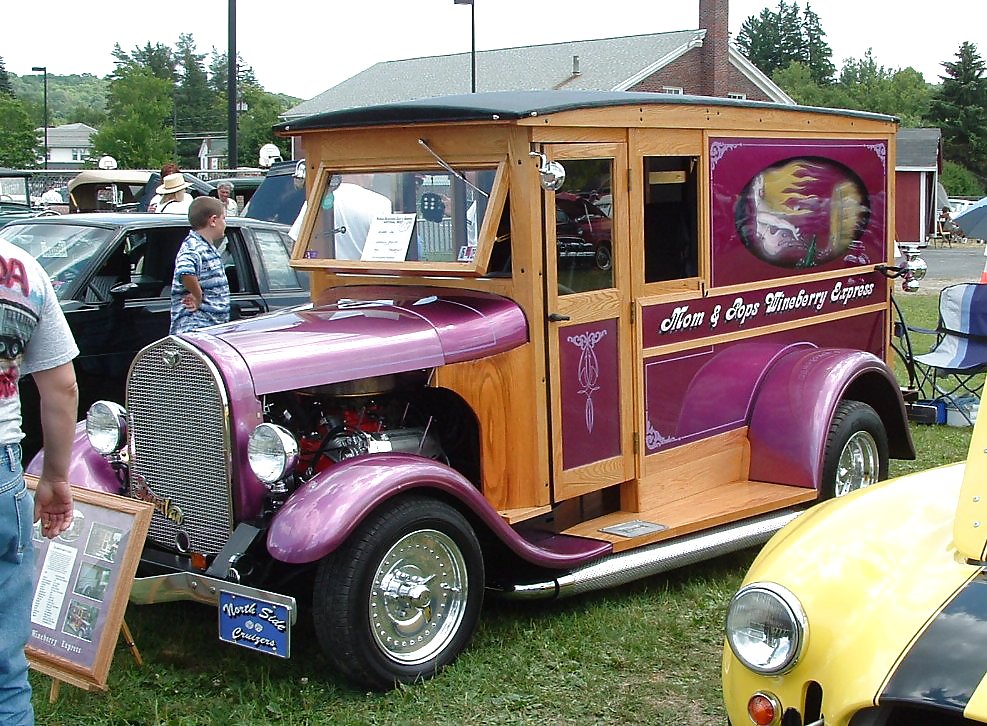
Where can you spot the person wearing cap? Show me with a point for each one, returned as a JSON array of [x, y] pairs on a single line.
[[224, 190], [174, 198]]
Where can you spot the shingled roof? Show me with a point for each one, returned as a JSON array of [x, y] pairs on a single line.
[[607, 64]]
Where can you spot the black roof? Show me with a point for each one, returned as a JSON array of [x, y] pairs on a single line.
[[514, 105]]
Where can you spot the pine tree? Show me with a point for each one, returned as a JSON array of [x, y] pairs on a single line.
[[818, 53], [775, 39], [5, 87], [195, 109], [960, 109]]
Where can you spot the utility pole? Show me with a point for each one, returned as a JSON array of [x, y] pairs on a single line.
[[231, 79]]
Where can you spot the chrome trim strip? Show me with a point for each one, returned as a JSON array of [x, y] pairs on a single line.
[[624, 567], [188, 586]]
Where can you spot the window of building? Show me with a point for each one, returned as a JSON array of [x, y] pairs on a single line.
[[674, 90], [78, 154], [737, 96]]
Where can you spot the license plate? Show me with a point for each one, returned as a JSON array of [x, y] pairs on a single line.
[[254, 623]]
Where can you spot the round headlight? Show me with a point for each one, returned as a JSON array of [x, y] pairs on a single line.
[[272, 452], [106, 427], [766, 628]]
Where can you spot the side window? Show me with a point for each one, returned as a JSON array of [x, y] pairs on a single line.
[[671, 215], [583, 226], [275, 255]]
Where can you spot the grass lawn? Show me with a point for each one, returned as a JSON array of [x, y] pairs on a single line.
[[644, 653]]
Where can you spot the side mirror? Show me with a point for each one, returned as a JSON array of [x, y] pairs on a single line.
[[552, 173]]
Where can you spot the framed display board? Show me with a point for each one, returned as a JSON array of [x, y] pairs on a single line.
[[82, 582]]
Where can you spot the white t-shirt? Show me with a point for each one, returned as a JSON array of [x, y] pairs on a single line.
[[355, 208], [175, 206], [34, 335]]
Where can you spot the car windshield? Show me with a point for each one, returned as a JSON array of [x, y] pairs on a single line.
[[14, 189], [420, 216], [64, 250]]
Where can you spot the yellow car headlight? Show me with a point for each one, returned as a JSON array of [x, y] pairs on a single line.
[[766, 628]]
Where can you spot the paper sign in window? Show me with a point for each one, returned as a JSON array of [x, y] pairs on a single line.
[[388, 238]]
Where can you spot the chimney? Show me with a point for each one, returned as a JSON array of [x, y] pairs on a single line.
[[714, 18]]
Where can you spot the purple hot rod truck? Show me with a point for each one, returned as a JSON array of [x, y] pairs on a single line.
[[462, 409]]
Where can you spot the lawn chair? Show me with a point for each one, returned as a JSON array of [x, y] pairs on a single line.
[[948, 371]]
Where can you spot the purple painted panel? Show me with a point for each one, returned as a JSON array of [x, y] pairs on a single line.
[[708, 390], [325, 511], [685, 320], [781, 206], [356, 332], [590, 391]]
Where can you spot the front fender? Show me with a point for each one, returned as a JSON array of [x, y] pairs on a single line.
[[324, 512], [87, 469], [794, 406]]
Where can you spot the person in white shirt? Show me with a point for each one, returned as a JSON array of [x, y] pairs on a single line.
[[174, 198], [224, 190]]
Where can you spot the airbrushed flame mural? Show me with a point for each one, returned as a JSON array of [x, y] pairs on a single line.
[[784, 206]]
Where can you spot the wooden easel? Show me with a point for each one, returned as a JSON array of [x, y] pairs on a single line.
[[128, 640]]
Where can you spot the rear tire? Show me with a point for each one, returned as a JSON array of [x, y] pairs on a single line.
[[856, 450], [400, 600]]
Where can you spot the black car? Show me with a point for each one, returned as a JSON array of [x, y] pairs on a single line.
[[112, 274], [279, 197]]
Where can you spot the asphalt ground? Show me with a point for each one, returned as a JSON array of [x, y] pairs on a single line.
[[950, 265]]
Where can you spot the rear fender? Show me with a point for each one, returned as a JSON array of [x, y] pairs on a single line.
[[87, 469], [323, 513], [794, 406]]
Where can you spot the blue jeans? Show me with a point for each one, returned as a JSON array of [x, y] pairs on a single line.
[[16, 588]]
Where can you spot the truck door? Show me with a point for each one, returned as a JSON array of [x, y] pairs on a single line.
[[590, 341]]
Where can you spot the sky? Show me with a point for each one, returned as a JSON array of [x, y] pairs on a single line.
[[308, 46]]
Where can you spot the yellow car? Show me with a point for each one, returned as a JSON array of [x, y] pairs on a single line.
[[869, 610]]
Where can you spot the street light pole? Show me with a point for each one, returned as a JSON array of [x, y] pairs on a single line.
[[44, 69], [231, 79], [472, 41]]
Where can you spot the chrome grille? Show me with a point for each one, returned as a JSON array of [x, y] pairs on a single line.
[[179, 423]]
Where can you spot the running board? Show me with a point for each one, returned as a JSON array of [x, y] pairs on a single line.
[[623, 567]]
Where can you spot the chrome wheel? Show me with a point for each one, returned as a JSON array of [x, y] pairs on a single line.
[[400, 600], [418, 597], [856, 450], [859, 464]]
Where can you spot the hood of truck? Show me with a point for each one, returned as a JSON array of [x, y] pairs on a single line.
[[356, 332]]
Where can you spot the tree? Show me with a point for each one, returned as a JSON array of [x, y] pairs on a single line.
[[18, 139], [960, 181], [774, 40], [959, 108], [158, 59], [255, 127], [5, 87], [818, 53], [195, 107], [139, 111]]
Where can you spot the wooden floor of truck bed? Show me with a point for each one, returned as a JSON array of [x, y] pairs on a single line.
[[728, 502]]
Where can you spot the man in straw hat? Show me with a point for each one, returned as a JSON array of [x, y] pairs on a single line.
[[174, 198]]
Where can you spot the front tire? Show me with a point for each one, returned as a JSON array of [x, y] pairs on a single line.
[[603, 257], [856, 450], [401, 599]]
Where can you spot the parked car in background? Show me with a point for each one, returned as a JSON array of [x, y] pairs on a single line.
[[583, 230], [199, 188], [15, 196], [279, 197], [112, 274], [869, 610], [106, 190]]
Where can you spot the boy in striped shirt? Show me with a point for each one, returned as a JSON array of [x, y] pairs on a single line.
[[200, 292]]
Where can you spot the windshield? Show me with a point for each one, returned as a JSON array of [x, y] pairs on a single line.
[[413, 216], [277, 199], [64, 250], [14, 189]]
